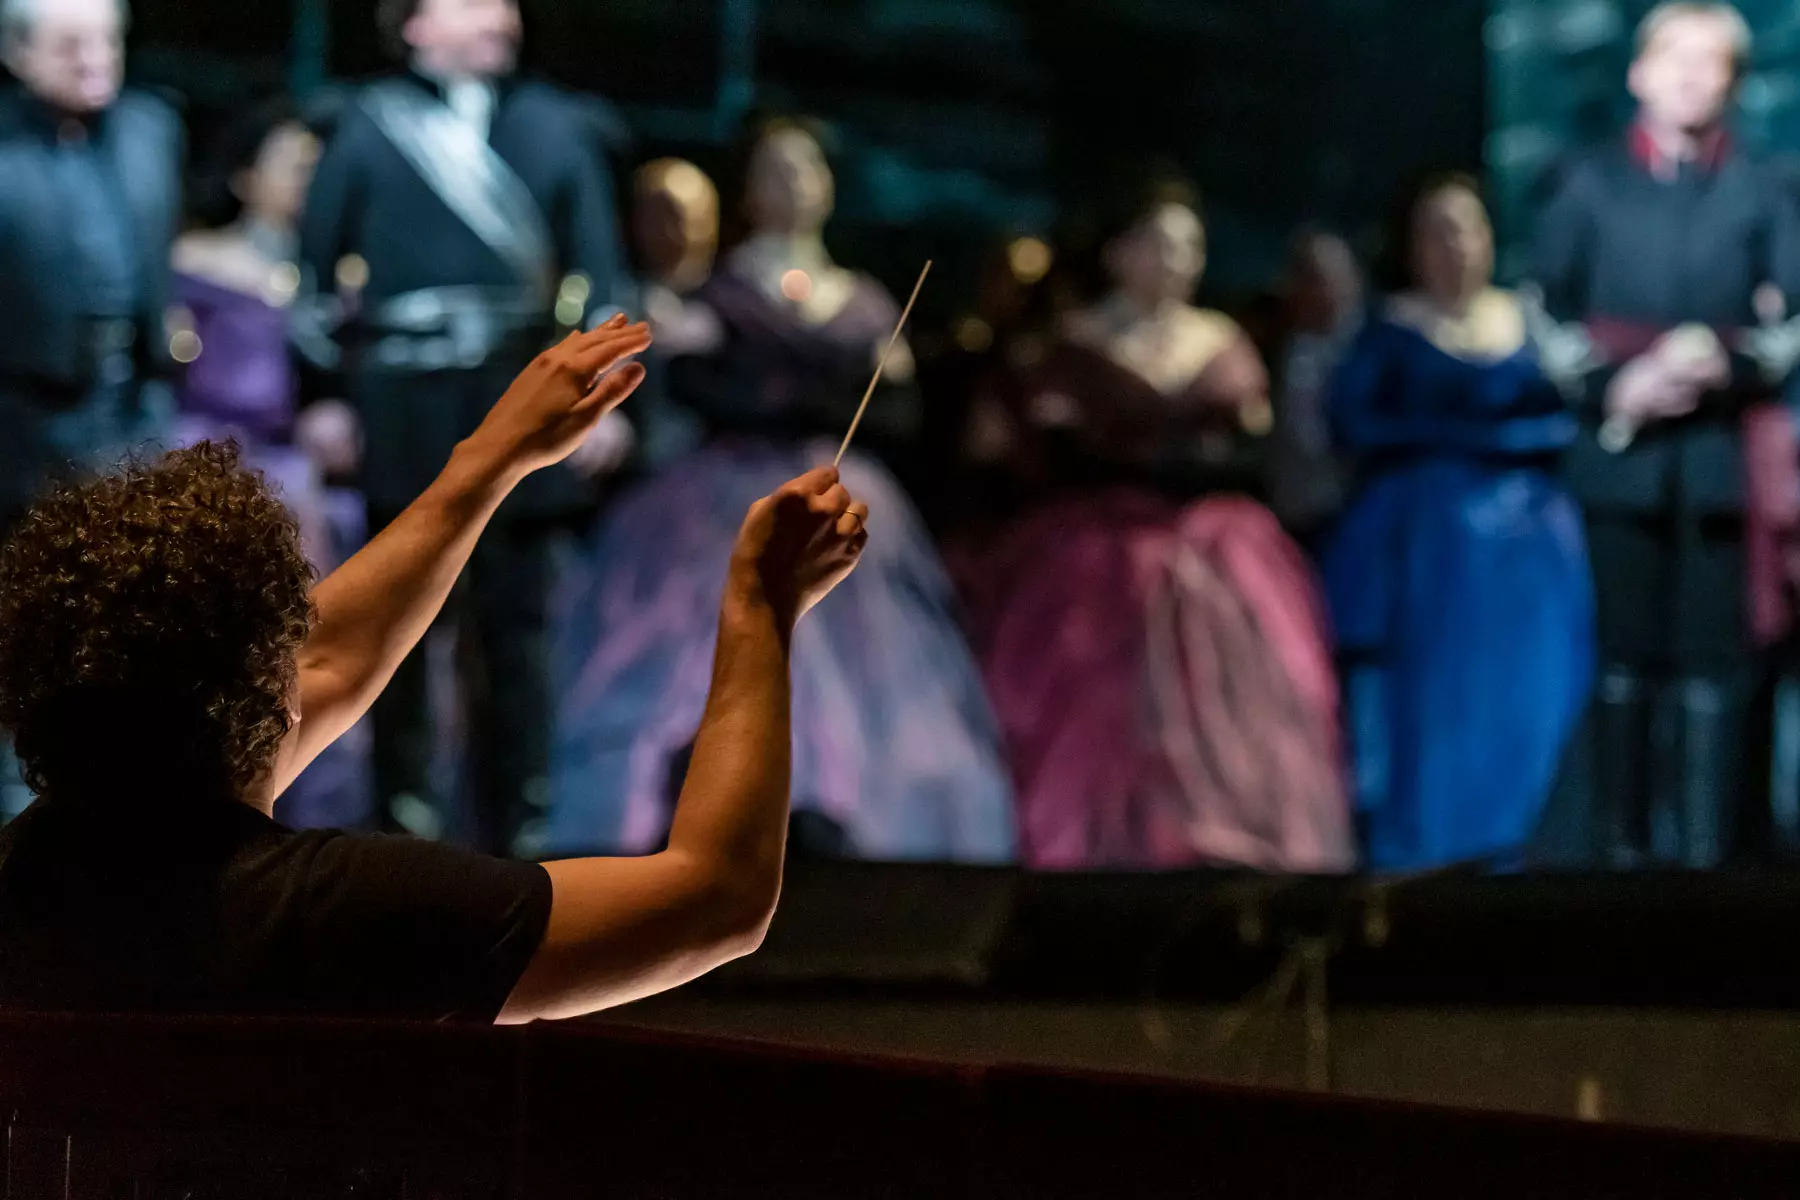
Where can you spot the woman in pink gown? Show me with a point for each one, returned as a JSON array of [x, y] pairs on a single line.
[[1153, 642]]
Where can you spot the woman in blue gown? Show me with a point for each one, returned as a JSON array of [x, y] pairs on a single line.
[[1458, 579]]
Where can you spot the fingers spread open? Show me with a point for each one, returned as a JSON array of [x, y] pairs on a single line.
[[565, 350], [606, 345], [582, 338], [614, 388]]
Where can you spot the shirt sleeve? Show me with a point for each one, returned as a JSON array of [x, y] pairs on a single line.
[[398, 927]]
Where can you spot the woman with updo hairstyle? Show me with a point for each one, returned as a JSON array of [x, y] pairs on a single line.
[[230, 329], [1458, 579], [896, 755], [1153, 642]]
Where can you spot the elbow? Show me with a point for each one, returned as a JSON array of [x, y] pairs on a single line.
[[726, 935], [732, 912], [740, 942], [744, 921]]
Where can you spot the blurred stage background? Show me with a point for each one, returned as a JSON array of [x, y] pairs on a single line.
[[960, 124], [960, 121]]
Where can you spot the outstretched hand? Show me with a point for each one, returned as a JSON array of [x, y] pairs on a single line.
[[556, 402], [800, 542]]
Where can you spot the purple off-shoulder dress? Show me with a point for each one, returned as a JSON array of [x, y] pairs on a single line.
[[894, 742], [242, 388]]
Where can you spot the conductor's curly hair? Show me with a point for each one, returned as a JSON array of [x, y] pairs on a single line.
[[153, 612]]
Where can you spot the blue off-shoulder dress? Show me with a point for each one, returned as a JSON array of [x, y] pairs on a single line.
[[1461, 596]]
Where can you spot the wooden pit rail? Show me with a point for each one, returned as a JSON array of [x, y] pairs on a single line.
[[108, 1109]]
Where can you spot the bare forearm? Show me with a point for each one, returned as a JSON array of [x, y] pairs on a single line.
[[734, 804], [623, 929], [372, 612], [374, 609]]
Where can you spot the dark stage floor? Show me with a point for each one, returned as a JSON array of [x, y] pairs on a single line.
[[1663, 999]]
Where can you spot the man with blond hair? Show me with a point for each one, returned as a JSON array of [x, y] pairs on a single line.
[[1670, 258]]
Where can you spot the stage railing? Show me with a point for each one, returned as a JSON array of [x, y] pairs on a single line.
[[157, 1110]]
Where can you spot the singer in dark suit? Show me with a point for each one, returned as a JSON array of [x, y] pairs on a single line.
[[460, 219], [1673, 254], [89, 203]]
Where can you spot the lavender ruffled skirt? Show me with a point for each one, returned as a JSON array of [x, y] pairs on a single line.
[[893, 738]]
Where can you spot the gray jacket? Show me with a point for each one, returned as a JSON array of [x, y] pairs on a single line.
[[141, 139]]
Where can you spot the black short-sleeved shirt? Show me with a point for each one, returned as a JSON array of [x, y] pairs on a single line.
[[214, 908]]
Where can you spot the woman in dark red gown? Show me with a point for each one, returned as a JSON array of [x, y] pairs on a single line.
[[1153, 642]]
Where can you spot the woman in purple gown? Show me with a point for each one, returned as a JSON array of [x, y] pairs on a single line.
[[1154, 643], [234, 283], [896, 755]]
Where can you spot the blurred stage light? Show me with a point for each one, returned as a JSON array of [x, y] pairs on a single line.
[[352, 273], [284, 284], [184, 346], [797, 286], [1030, 259], [571, 300], [974, 334], [577, 288]]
